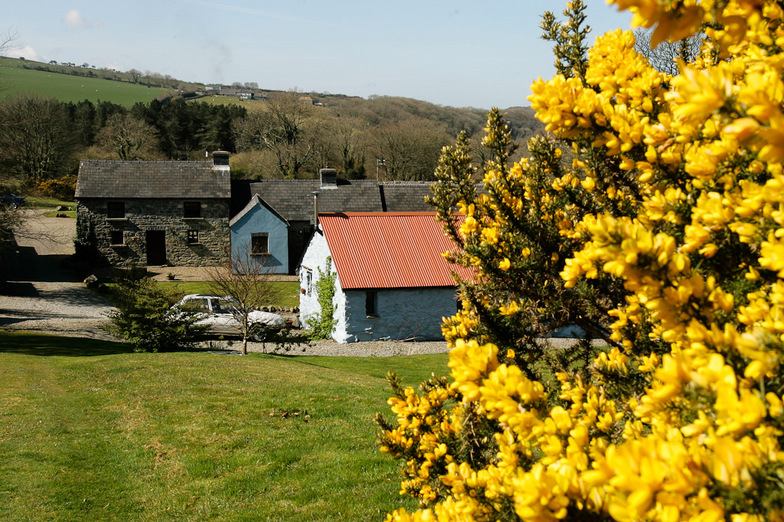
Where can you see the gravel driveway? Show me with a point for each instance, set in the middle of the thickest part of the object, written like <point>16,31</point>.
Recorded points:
<point>41,293</point>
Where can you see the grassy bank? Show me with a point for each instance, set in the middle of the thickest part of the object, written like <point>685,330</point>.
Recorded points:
<point>91,431</point>
<point>67,88</point>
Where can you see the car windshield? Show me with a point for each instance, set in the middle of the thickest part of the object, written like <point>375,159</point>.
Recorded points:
<point>195,305</point>
<point>223,306</point>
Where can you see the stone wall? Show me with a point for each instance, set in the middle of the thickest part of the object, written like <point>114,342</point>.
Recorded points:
<point>95,229</point>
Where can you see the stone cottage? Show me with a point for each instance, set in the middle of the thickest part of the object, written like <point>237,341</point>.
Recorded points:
<point>391,280</point>
<point>135,213</point>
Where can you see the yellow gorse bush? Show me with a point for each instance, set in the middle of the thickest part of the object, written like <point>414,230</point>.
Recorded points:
<point>672,213</point>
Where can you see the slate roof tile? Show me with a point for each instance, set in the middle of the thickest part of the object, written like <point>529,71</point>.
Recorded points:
<point>293,199</point>
<point>152,179</point>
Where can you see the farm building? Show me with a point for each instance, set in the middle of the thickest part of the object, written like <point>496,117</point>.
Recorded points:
<point>133,213</point>
<point>391,280</point>
<point>295,203</point>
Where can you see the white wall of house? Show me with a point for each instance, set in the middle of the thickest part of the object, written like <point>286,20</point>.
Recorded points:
<point>315,258</point>
<point>401,314</point>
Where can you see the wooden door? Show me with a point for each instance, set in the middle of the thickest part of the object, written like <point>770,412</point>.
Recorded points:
<point>156,247</point>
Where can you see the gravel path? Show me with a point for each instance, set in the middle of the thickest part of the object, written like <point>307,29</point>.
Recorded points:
<point>40,293</point>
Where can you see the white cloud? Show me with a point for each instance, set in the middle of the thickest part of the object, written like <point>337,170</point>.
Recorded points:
<point>24,51</point>
<point>74,18</point>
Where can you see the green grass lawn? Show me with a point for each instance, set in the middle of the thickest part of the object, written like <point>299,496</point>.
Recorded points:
<point>91,431</point>
<point>67,88</point>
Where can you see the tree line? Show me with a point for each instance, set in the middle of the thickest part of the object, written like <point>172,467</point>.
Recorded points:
<point>286,136</point>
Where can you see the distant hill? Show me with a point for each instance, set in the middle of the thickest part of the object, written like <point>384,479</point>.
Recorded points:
<point>74,83</point>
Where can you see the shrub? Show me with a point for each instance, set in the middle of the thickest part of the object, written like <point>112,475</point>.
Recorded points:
<point>60,188</point>
<point>675,227</point>
<point>145,319</point>
<point>322,323</point>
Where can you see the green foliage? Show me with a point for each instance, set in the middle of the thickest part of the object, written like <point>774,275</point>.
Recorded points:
<point>569,38</point>
<point>322,323</point>
<point>522,257</point>
<point>144,317</point>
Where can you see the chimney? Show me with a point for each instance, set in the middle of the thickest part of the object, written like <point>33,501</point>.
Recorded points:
<point>315,207</point>
<point>329,178</point>
<point>220,158</point>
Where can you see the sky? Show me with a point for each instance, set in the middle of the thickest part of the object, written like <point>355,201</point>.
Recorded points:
<point>460,53</point>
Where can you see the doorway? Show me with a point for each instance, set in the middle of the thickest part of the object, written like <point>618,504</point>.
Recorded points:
<point>156,247</point>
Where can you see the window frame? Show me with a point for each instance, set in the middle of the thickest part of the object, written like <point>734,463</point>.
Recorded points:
<point>259,235</point>
<point>308,281</point>
<point>193,237</point>
<point>371,303</point>
<point>115,234</point>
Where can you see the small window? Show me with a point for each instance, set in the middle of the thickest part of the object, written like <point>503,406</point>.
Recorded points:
<point>193,237</point>
<point>115,209</point>
<point>371,304</point>
<point>117,237</point>
<point>260,244</point>
<point>192,209</point>
<point>308,281</point>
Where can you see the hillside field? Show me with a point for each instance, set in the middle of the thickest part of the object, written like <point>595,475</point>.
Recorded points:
<point>68,88</point>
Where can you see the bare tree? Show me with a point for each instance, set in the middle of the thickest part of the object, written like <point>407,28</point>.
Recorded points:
<point>665,56</point>
<point>283,126</point>
<point>128,137</point>
<point>8,39</point>
<point>249,286</point>
<point>410,149</point>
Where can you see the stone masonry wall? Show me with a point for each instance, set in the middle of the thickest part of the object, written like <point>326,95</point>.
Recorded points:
<point>142,215</point>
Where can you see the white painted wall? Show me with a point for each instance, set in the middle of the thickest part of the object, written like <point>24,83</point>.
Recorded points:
<point>315,258</point>
<point>403,314</point>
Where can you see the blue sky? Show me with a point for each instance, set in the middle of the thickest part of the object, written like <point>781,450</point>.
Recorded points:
<point>462,53</point>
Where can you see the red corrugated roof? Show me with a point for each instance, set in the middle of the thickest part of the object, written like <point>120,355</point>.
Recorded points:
<point>389,249</point>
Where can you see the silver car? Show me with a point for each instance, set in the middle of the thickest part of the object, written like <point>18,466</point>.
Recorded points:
<point>216,312</point>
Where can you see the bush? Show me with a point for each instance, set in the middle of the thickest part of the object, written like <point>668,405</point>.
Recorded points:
<point>669,220</point>
<point>322,323</point>
<point>60,188</point>
<point>145,319</point>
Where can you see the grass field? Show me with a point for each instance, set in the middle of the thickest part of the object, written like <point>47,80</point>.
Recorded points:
<point>91,431</point>
<point>67,88</point>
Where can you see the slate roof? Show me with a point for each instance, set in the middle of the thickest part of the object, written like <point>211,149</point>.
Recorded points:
<point>374,250</point>
<point>152,179</point>
<point>293,198</point>
<point>255,200</point>
<point>404,196</point>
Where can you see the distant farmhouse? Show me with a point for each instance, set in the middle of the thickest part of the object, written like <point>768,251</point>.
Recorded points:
<point>133,213</point>
<point>392,282</point>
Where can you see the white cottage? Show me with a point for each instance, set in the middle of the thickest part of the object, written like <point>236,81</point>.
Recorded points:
<point>391,281</point>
